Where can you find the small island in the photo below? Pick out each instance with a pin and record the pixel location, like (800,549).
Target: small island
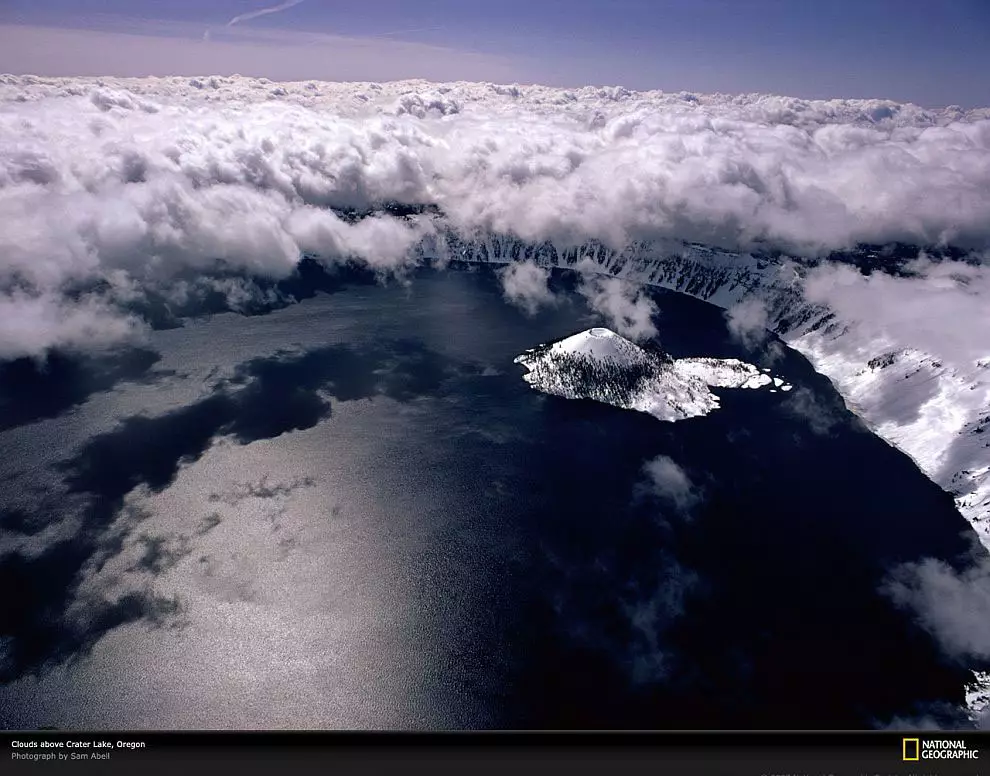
(602,365)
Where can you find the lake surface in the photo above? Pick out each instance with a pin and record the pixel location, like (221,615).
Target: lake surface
(353,513)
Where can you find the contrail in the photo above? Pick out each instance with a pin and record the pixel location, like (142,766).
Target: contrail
(402,32)
(262,11)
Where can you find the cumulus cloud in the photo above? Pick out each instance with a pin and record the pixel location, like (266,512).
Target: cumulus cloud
(624,305)
(954,606)
(946,718)
(822,418)
(911,308)
(146,180)
(747,322)
(524,284)
(666,479)
(32,325)
(648,659)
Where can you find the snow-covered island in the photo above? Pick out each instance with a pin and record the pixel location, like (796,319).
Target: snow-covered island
(602,365)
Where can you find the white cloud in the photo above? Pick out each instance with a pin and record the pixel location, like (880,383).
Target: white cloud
(747,322)
(263,12)
(382,243)
(667,479)
(32,325)
(912,310)
(821,418)
(954,606)
(524,284)
(648,658)
(624,305)
(159,177)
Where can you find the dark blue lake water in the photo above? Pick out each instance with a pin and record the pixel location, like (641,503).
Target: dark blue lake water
(353,512)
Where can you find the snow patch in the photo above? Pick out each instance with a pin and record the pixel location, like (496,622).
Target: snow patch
(978,696)
(602,365)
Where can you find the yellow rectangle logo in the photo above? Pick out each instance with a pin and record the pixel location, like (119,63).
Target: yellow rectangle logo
(911,748)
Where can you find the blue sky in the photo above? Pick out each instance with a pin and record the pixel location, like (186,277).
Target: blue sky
(933,52)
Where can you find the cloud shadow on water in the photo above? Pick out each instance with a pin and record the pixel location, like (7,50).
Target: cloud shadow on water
(265,398)
(32,390)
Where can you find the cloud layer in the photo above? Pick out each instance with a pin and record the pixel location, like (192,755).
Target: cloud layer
(112,188)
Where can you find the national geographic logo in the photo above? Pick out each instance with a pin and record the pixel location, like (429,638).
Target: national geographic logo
(915,749)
